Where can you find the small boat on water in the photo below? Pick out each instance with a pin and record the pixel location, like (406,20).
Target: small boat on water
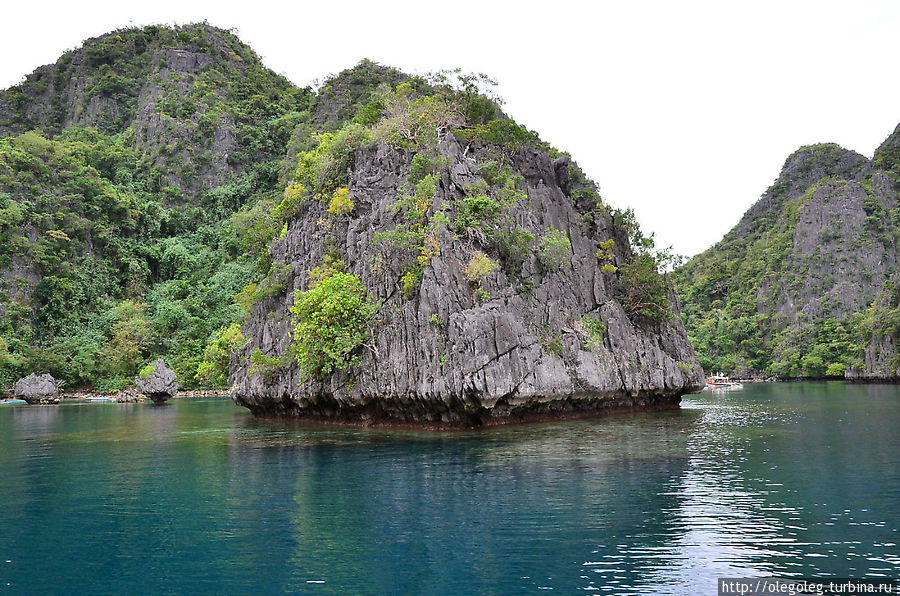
(100,399)
(13,401)
(721,381)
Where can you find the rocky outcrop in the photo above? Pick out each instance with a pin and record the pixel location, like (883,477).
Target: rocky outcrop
(37,389)
(879,361)
(129,396)
(443,358)
(157,381)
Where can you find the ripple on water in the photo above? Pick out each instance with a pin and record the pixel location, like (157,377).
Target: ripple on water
(761,482)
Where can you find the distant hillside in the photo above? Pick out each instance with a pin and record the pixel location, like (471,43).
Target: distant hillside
(194,100)
(802,286)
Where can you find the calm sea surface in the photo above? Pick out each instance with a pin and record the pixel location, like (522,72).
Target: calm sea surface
(198,497)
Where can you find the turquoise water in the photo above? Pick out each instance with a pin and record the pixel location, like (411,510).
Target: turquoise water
(198,497)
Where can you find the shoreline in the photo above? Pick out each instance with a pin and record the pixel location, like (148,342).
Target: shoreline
(855,380)
(125,396)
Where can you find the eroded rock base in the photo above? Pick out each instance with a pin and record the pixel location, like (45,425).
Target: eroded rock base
(460,413)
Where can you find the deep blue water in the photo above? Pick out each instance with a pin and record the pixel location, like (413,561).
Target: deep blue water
(198,497)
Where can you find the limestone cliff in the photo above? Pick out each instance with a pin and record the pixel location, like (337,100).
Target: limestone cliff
(443,358)
(795,288)
(142,189)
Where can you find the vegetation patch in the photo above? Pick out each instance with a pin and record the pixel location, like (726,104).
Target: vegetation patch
(213,369)
(554,250)
(331,321)
(593,329)
(416,235)
(479,267)
(266,366)
(551,341)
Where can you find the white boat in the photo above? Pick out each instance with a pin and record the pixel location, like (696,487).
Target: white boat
(721,381)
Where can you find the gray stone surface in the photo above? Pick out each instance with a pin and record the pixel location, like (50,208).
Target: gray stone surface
(37,388)
(881,352)
(127,396)
(160,385)
(483,363)
(878,361)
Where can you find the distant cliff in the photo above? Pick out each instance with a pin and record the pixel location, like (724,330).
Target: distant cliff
(120,168)
(800,287)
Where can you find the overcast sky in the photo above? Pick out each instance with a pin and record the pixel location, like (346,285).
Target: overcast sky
(684,111)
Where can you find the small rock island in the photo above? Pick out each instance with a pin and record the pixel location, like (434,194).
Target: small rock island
(444,268)
(38,389)
(157,381)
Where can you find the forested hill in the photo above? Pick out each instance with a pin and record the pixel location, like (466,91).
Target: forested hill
(805,284)
(194,101)
(126,170)
(145,175)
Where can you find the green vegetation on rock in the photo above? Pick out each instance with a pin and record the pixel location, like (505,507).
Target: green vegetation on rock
(331,321)
(116,236)
(554,249)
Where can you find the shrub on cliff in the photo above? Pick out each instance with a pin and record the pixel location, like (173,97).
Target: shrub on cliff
(331,321)
(413,119)
(479,267)
(643,290)
(554,250)
(213,370)
(325,168)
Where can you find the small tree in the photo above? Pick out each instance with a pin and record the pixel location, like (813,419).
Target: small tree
(643,290)
(476,270)
(213,369)
(331,321)
(340,203)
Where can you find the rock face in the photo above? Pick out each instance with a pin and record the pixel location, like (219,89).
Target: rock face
(881,356)
(158,384)
(128,396)
(37,389)
(879,362)
(444,358)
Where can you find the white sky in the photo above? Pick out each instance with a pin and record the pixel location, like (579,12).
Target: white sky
(683,110)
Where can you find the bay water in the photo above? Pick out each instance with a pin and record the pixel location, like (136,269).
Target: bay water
(197,496)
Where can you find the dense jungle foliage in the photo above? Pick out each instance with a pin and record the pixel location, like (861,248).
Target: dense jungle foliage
(117,241)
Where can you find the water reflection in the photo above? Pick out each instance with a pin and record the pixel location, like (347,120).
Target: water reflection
(774,480)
